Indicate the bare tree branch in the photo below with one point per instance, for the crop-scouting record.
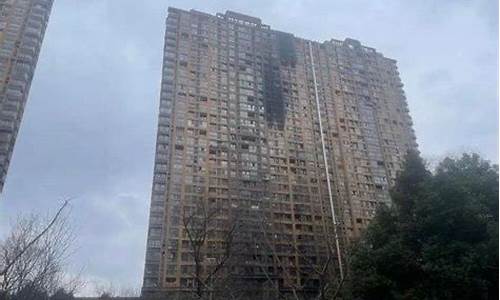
(34, 240)
(201, 228)
(33, 256)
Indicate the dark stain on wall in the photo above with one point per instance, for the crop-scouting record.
(284, 47)
(274, 104)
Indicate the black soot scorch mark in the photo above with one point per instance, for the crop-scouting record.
(273, 91)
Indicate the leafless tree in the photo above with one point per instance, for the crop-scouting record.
(266, 249)
(129, 291)
(320, 268)
(108, 290)
(105, 290)
(33, 255)
(210, 232)
(324, 271)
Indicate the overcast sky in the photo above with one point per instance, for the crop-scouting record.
(89, 126)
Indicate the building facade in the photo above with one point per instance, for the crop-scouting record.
(299, 139)
(22, 27)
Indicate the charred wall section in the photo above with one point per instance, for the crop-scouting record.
(283, 46)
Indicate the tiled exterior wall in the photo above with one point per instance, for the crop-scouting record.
(22, 27)
(238, 127)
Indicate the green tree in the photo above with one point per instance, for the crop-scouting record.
(440, 238)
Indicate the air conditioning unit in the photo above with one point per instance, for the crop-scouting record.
(211, 260)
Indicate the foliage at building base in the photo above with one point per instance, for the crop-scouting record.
(439, 240)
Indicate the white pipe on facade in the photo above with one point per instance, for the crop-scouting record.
(330, 195)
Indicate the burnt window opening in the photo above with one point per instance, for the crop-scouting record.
(274, 102)
(286, 49)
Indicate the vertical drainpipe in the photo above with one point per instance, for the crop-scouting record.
(330, 195)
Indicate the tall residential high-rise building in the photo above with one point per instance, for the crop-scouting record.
(298, 140)
(22, 27)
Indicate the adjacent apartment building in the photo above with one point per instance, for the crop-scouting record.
(22, 27)
(297, 140)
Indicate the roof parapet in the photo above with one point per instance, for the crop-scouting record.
(242, 17)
